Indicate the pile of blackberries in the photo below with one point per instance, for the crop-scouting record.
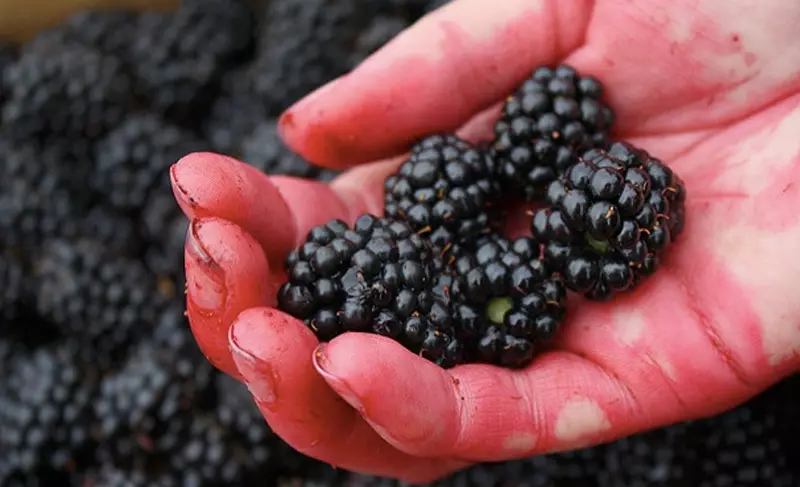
(437, 272)
(103, 385)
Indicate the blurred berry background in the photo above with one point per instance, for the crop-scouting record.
(102, 384)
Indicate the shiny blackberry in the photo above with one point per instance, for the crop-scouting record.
(375, 277)
(45, 410)
(65, 90)
(612, 217)
(510, 302)
(133, 160)
(444, 190)
(554, 116)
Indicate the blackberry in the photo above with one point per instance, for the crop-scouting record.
(179, 57)
(554, 116)
(102, 299)
(443, 190)
(611, 218)
(40, 195)
(163, 227)
(264, 150)
(45, 410)
(509, 301)
(134, 159)
(65, 90)
(233, 116)
(15, 289)
(305, 44)
(377, 277)
(111, 476)
(110, 31)
(8, 55)
(136, 404)
(202, 452)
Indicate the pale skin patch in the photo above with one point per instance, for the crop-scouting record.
(774, 145)
(630, 325)
(767, 264)
(579, 420)
(519, 443)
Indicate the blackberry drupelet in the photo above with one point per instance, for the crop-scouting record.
(612, 217)
(133, 160)
(102, 299)
(444, 190)
(179, 57)
(509, 301)
(264, 150)
(65, 91)
(377, 277)
(45, 410)
(554, 116)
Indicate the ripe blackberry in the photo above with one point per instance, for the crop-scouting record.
(233, 115)
(444, 191)
(40, 193)
(65, 90)
(45, 409)
(509, 301)
(157, 385)
(179, 57)
(163, 227)
(102, 299)
(112, 476)
(554, 116)
(264, 150)
(15, 289)
(134, 159)
(110, 31)
(376, 277)
(305, 44)
(611, 218)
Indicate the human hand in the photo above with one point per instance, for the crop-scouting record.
(712, 88)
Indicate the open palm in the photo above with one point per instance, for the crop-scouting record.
(712, 88)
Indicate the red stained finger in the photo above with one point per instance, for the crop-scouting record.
(450, 65)
(212, 185)
(274, 354)
(226, 273)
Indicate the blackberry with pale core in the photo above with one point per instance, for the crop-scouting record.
(378, 277)
(554, 116)
(444, 190)
(509, 303)
(612, 217)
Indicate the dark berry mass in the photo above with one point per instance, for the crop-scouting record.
(509, 303)
(553, 116)
(612, 216)
(444, 190)
(65, 90)
(376, 277)
(132, 161)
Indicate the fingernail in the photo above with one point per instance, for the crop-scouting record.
(321, 363)
(205, 279)
(258, 375)
(182, 196)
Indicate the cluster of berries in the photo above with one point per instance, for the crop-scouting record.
(437, 274)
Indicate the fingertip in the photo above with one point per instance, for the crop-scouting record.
(207, 184)
(226, 273)
(357, 366)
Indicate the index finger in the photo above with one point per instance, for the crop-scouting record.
(433, 77)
